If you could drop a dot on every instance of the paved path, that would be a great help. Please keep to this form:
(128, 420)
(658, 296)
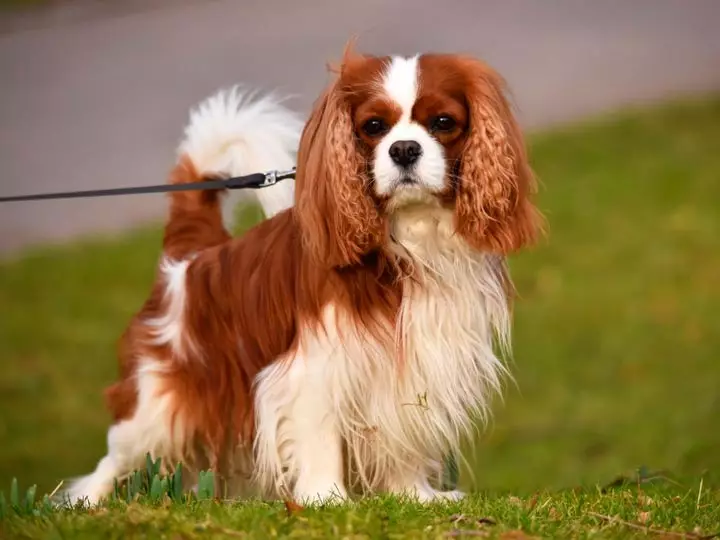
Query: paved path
(96, 99)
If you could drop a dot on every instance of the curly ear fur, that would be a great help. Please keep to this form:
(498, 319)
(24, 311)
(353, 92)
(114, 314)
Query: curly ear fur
(493, 208)
(338, 218)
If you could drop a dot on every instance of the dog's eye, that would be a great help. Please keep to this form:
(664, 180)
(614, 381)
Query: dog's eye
(375, 127)
(442, 123)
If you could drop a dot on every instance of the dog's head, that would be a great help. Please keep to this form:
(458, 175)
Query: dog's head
(391, 132)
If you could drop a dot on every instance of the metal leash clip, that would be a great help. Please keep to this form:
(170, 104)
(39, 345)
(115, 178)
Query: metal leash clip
(272, 177)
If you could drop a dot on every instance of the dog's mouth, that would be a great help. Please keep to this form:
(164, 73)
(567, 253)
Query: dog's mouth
(408, 180)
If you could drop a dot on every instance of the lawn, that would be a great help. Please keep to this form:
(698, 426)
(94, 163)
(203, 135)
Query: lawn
(617, 337)
(622, 513)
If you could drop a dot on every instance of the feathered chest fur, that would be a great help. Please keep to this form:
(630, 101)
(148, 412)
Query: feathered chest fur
(417, 396)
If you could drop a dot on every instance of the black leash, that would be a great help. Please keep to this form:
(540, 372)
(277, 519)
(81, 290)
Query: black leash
(252, 181)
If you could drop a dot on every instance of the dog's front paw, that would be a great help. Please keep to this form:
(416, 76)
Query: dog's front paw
(319, 495)
(421, 491)
(453, 495)
(426, 494)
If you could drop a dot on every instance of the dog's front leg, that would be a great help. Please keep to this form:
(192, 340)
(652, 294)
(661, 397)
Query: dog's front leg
(299, 446)
(317, 448)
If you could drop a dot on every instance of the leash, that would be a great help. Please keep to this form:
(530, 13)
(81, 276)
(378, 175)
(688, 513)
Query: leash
(252, 181)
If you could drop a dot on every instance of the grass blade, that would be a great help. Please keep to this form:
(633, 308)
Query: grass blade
(30, 498)
(156, 489)
(206, 485)
(129, 488)
(149, 468)
(47, 504)
(140, 483)
(177, 483)
(14, 494)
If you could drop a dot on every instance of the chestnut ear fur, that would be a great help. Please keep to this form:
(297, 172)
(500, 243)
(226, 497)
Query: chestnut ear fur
(339, 219)
(493, 209)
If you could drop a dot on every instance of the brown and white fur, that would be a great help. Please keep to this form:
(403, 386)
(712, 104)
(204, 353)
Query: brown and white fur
(347, 341)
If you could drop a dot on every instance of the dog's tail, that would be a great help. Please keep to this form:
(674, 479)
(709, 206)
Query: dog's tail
(232, 133)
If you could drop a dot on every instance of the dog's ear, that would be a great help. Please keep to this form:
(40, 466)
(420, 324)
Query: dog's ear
(494, 211)
(337, 215)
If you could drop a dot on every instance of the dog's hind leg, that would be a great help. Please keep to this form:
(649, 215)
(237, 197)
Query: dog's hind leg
(120, 460)
(153, 428)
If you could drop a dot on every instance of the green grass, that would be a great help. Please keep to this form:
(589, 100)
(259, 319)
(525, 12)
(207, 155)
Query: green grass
(617, 339)
(623, 513)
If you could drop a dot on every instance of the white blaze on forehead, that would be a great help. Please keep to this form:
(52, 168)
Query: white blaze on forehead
(400, 82)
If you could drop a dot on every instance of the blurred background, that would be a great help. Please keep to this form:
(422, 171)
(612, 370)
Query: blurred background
(617, 328)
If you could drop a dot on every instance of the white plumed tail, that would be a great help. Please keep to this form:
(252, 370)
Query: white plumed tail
(236, 132)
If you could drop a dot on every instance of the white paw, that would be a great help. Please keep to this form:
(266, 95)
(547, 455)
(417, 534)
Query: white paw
(93, 488)
(424, 493)
(453, 495)
(320, 495)
(86, 490)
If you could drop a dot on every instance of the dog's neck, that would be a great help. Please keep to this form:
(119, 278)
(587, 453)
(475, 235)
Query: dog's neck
(423, 233)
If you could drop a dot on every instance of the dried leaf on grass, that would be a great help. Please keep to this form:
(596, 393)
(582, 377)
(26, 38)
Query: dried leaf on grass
(292, 507)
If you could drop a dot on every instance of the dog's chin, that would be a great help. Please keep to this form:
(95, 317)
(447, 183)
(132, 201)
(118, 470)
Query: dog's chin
(409, 193)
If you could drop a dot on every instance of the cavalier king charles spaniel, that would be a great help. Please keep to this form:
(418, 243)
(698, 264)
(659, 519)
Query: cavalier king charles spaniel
(347, 343)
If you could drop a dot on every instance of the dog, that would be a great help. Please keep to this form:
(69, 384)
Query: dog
(349, 342)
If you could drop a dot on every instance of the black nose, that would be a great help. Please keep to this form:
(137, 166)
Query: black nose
(405, 153)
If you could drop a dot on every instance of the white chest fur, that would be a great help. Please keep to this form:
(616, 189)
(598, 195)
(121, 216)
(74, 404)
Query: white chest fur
(399, 405)
(443, 370)
(449, 316)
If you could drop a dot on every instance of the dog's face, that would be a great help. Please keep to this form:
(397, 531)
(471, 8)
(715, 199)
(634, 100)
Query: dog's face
(390, 132)
(412, 131)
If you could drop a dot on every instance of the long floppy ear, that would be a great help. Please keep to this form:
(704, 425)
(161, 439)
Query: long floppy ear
(338, 218)
(493, 208)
